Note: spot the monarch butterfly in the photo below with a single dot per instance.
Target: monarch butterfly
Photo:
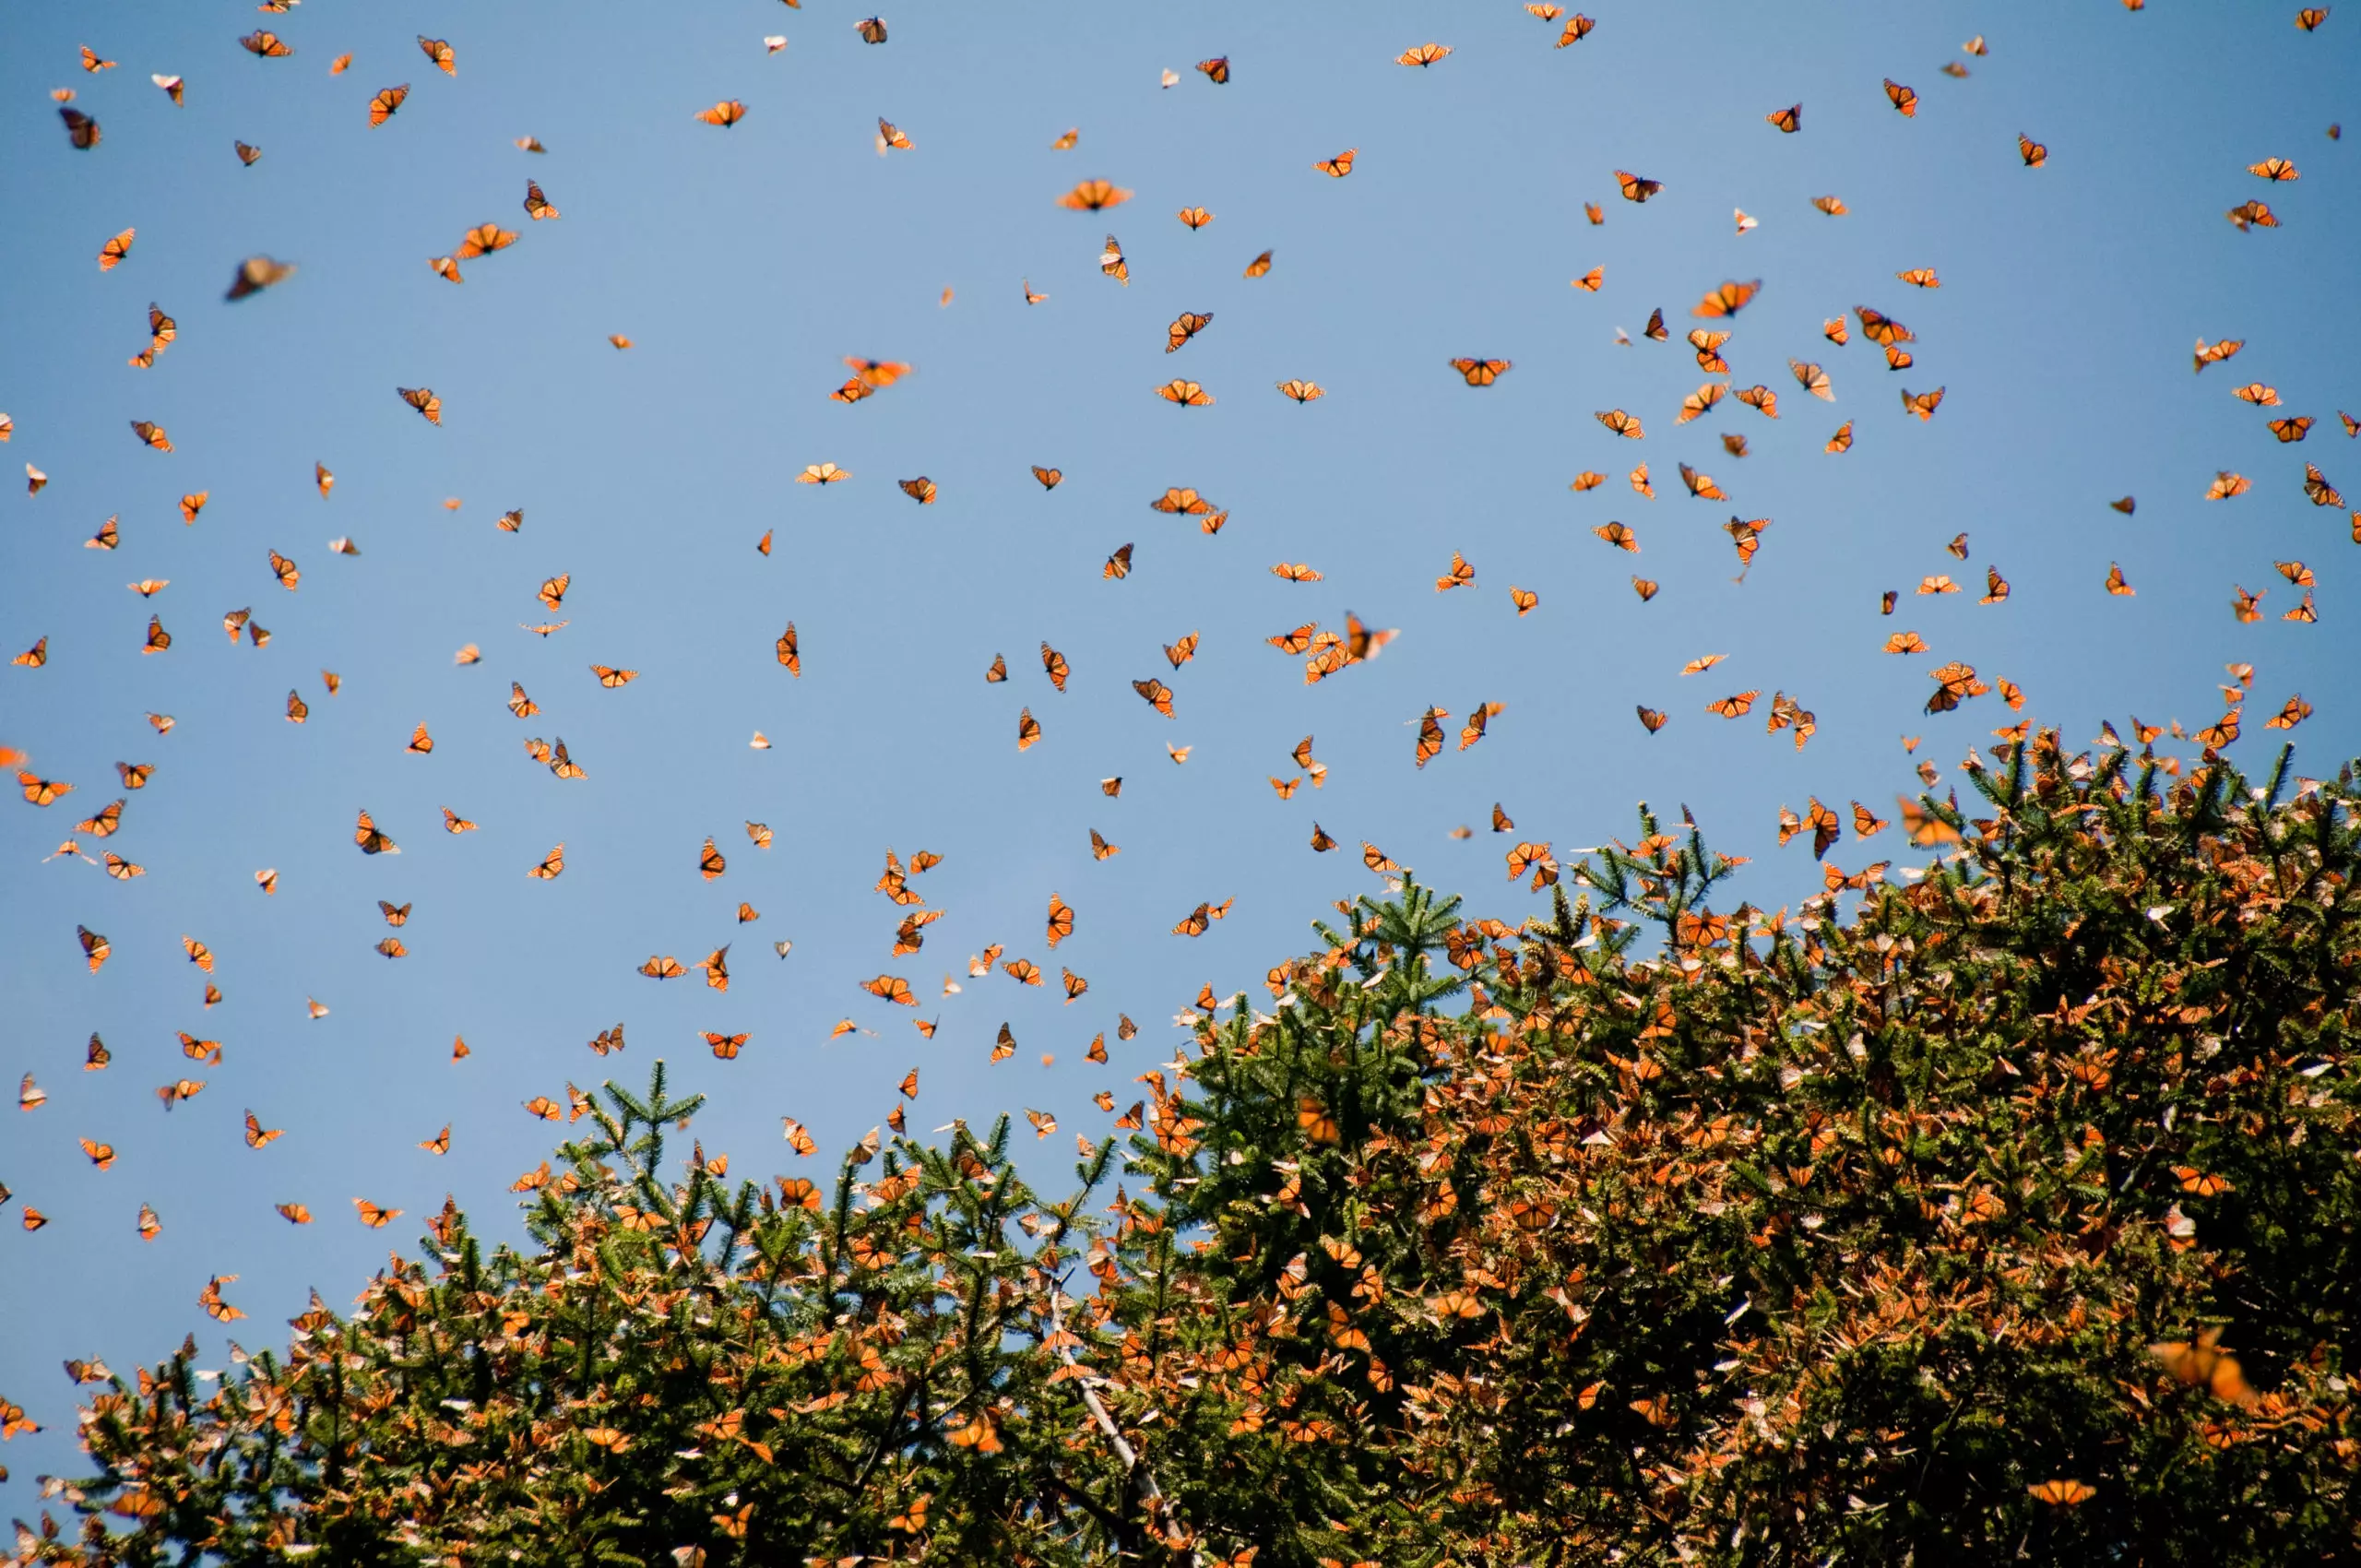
(871, 29)
(1699, 401)
(1195, 217)
(1461, 575)
(1733, 707)
(1954, 682)
(1054, 665)
(1832, 205)
(423, 399)
(1589, 281)
(1065, 143)
(1424, 54)
(114, 250)
(1924, 404)
(1905, 642)
(1920, 278)
(822, 473)
(1545, 11)
(420, 742)
(1296, 573)
(36, 655)
(1640, 482)
(2294, 712)
(2032, 152)
(1708, 346)
(1587, 480)
(1760, 399)
(391, 947)
(724, 1046)
(727, 112)
(438, 51)
(483, 240)
(663, 968)
(537, 207)
(2246, 606)
(1649, 718)
(1480, 372)
(264, 46)
(1028, 729)
(1185, 394)
(1339, 166)
(162, 331)
(1635, 188)
(1623, 424)
(371, 1215)
(1023, 970)
(1790, 119)
(1005, 1046)
(2311, 17)
(1118, 564)
(1259, 266)
(2251, 215)
(152, 434)
(1842, 440)
(1478, 718)
(890, 136)
(2061, 1494)
(382, 105)
(1301, 391)
(1185, 326)
(1577, 30)
(1155, 693)
(1701, 486)
(2291, 429)
(1179, 653)
(1094, 195)
(1727, 300)
(2317, 487)
(1901, 98)
(80, 129)
(611, 678)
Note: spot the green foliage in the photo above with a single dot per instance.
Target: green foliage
(2014, 1212)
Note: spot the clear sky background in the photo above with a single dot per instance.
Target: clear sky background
(745, 264)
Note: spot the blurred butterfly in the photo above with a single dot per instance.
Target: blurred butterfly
(1480, 372)
(1259, 266)
(1195, 217)
(423, 399)
(1727, 300)
(1338, 166)
(382, 106)
(1186, 393)
(1901, 98)
(1790, 119)
(727, 112)
(2032, 152)
(1093, 196)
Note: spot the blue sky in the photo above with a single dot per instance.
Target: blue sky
(745, 264)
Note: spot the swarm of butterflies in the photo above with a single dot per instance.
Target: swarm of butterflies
(1326, 652)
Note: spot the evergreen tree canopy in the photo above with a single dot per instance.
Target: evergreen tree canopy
(2007, 1210)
